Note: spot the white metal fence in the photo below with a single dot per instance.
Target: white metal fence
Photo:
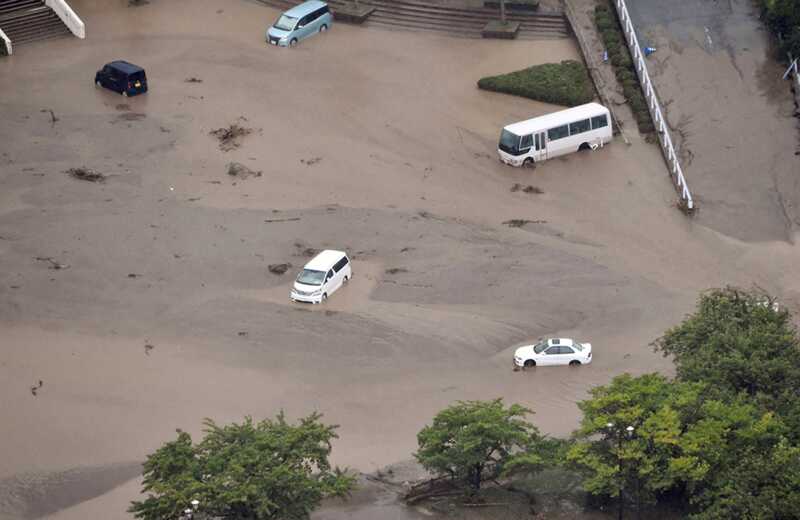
(676, 172)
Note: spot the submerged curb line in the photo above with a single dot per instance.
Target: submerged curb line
(662, 130)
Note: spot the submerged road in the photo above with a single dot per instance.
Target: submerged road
(730, 112)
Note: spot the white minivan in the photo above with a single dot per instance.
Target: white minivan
(320, 277)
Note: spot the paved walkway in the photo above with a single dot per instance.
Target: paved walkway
(730, 112)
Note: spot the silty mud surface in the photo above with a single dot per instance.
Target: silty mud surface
(376, 142)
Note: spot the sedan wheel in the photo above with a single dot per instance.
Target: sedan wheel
(574, 363)
(530, 363)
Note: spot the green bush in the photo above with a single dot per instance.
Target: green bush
(605, 19)
(783, 19)
(566, 83)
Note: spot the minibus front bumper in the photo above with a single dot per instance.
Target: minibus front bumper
(509, 159)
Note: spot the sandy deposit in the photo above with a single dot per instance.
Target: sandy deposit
(375, 142)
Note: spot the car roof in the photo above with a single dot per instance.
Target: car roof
(560, 341)
(126, 67)
(303, 9)
(325, 260)
(554, 119)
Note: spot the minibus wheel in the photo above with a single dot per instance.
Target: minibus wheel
(528, 163)
(584, 146)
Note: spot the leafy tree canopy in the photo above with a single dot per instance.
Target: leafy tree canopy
(271, 470)
(737, 341)
(471, 441)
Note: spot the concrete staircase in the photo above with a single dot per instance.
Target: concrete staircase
(458, 21)
(25, 21)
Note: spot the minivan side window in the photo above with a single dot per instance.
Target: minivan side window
(330, 275)
(340, 264)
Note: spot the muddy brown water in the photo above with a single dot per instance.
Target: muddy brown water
(372, 141)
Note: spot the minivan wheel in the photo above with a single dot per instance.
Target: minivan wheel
(293, 42)
(574, 363)
(346, 279)
(324, 296)
(530, 363)
(124, 93)
(98, 83)
(323, 28)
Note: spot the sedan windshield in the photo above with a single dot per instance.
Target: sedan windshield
(309, 277)
(285, 23)
(509, 142)
(539, 347)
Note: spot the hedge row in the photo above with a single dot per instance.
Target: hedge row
(566, 83)
(605, 17)
(783, 19)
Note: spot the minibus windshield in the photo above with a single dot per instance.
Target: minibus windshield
(285, 23)
(509, 142)
(309, 277)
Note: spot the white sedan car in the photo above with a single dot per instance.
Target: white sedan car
(554, 351)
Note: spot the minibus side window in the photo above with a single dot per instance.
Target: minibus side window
(527, 141)
(599, 121)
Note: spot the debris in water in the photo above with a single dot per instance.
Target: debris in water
(291, 219)
(310, 162)
(147, 348)
(53, 264)
(193, 80)
(35, 388)
(519, 222)
(230, 137)
(396, 270)
(279, 268)
(241, 171)
(53, 117)
(85, 174)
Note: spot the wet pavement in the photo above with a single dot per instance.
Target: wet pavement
(729, 111)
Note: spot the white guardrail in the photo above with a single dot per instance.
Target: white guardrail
(6, 41)
(68, 16)
(676, 172)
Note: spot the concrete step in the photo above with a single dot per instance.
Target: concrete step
(410, 15)
(35, 24)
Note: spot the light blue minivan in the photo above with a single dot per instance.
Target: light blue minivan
(300, 22)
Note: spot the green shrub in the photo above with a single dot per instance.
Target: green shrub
(605, 19)
(566, 83)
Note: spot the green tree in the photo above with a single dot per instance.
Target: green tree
(271, 470)
(638, 460)
(472, 441)
(738, 342)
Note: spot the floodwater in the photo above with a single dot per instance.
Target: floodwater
(376, 142)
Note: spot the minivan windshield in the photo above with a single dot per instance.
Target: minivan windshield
(309, 277)
(509, 142)
(285, 23)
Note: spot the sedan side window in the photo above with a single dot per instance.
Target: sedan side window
(566, 350)
(553, 350)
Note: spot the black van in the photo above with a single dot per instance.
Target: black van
(123, 77)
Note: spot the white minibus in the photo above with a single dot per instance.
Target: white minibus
(583, 127)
